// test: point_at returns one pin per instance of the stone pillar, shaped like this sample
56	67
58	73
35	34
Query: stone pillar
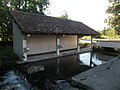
24	50
58	46
78	43
91	41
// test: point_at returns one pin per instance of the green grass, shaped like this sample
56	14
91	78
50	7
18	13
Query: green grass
86	38
110	37
7	57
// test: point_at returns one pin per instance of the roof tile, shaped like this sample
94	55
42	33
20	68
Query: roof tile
37	23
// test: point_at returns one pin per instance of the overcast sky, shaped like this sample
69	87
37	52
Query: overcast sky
90	12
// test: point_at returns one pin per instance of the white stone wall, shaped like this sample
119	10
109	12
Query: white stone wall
47	43
40	43
68	42
109	44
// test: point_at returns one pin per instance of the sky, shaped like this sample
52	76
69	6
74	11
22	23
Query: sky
90	12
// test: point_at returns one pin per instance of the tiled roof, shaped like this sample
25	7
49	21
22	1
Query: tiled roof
42	24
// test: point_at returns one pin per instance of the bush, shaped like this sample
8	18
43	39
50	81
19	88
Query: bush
96	47
86	38
109	34
7	57
85	45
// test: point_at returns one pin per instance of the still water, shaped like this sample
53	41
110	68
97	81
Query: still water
35	74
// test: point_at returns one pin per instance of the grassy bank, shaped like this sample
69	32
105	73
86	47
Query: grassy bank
7	57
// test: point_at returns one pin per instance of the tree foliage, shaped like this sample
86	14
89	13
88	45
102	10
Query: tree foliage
64	15
114	18
109	34
36	6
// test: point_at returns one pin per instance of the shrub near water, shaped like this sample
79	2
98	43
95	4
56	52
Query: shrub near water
7	57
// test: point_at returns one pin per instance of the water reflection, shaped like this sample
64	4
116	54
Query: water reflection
58	71
44	74
62	68
66	67
94	58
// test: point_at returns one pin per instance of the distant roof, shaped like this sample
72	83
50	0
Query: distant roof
37	23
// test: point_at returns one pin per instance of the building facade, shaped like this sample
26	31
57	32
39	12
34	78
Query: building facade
35	34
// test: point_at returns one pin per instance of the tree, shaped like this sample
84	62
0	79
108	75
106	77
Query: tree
5	24
36	6
64	15
114	19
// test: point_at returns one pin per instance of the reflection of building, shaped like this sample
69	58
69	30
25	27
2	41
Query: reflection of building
36	34
61	69
91	59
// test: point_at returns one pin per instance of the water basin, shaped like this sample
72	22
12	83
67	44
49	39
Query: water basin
33	76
